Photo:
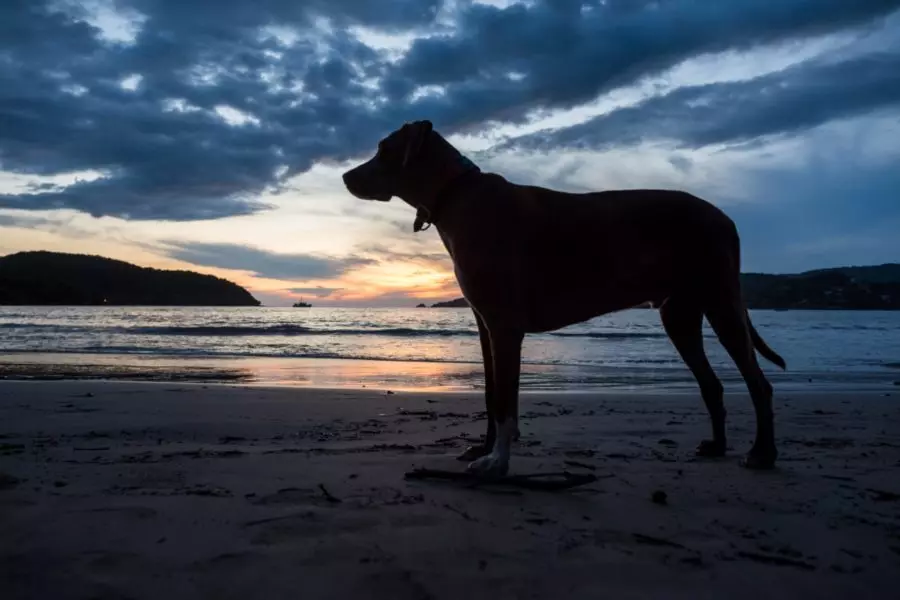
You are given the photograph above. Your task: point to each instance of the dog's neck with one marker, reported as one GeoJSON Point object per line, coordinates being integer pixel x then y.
{"type": "Point", "coordinates": [448, 169]}
{"type": "Point", "coordinates": [426, 216]}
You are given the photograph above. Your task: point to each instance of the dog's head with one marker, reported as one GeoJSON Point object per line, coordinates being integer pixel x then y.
{"type": "Point", "coordinates": [387, 174]}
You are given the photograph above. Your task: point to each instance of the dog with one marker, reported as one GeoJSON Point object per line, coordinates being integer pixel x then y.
{"type": "Point", "coordinates": [530, 259]}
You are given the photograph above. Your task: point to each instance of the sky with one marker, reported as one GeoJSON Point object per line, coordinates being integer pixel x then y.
{"type": "Point", "coordinates": [211, 136]}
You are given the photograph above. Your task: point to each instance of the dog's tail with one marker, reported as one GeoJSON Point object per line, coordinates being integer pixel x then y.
{"type": "Point", "coordinates": [763, 348]}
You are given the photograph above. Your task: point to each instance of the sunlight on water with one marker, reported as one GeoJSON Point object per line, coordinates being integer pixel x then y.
{"type": "Point", "coordinates": [433, 348]}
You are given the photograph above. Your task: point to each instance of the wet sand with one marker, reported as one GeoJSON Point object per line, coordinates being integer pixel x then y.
{"type": "Point", "coordinates": [138, 490]}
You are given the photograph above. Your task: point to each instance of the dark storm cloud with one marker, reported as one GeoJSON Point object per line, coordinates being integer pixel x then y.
{"type": "Point", "coordinates": [801, 97]}
{"type": "Point", "coordinates": [166, 154]}
{"type": "Point", "coordinates": [566, 53]}
{"type": "Point", "coordinates": [299, 267]}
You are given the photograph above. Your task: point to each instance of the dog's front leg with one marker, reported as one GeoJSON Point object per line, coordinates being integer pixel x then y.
{"type": "Point", "coordinates": [506, 352]}
{"type": "Point", "coordinates": [477, 451]}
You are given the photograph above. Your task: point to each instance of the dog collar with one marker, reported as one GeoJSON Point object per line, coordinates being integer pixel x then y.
{"type": "Point", "coordinates": [425, 217]}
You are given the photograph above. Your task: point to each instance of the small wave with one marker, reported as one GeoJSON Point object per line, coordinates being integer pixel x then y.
{"type": "Point", "coordinates": [219, 330]}
{"type": "Point", "coordinates": [611, 335]}
{"type": "Point", "coordinates": [281, 329]}
{"type": "Point", "coordinates": [200, 353]}
{"type": "Point", "coordinates": [294, 330]}
{"type": "Point", "coordinates": [403, 332]}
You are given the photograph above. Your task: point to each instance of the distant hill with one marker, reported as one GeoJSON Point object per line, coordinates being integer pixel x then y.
{"type": "Point", "coordinates": [455, 303]}
{"type": "Point", "coordinates": [886, 273]}
{"type": "Point", "coordinates": [849, 288]}
{"type": "Point", "coordinates": [52, 278]}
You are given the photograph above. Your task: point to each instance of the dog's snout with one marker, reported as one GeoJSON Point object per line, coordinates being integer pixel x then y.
{"type": "Point", "coordinates": [365, 182]}
{"type": "Point", "coordinates": [351, 181]}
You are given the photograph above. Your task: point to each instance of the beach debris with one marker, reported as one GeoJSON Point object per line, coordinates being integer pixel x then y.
{"type": "Point", "coordinates": [228, 439]}
{"type": "Point", "coordinates": [328, 495]}
{"type": "Point", "coordinates": [580, 465]}
{"type": "Point", "coordinates": [584, 453]}
{"type": "Point", "coordinates": [9, 449]}
{"type": "Point", "coordinates": [662, 457]}
{"type": "Point", "coordinates": [650, 540]}
{"type": "Point", "coordinates": [550, 482]}
{"type": "Point", "coordinates": [659, 497]}
{"type": "Point", "coordinates": [694, 561]}
{"type": "Point", "coordinates": [205, 490]}
{"type": "Point", "coordinates": [8, 481]}
{"type": "Point", "coordinates": [781, 561]}
{"type": "Point", "coordinates": [883, 495]}
{"type": "Point", "coordinates": [618, 455]}
{"type": "Point", "coordinates": [460, 512]}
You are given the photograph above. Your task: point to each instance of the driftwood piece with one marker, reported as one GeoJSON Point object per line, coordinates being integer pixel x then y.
{"type": "Point", "coordinates": [550, 482]}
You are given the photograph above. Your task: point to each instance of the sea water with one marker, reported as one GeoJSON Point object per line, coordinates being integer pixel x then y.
{"type": "Point", "coordinates": [429, 348]}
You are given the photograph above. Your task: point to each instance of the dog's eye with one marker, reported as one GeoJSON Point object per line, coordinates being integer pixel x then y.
{"type": "Point", "coordinates": [385, 153]}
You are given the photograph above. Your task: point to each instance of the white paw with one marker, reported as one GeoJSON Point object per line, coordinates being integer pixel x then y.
{"type": "Point", "coordinates": [492, 465]}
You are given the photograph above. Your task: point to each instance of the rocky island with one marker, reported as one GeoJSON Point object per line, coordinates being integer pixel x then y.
{"type": "Point", "coordinates": [60, 279]}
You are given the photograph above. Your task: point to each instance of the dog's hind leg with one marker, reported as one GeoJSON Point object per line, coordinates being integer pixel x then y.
{"type": "Point", "coordinates": [506, 352]}
{"type": "Point", "coordinates": [682, 318]}
{"type": "Point", "coordinates": [477, 451]}
{"type": "Point", "coordinates": [728, 318]}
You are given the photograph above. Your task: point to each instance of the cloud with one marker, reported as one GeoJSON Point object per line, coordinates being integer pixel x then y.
{"type": "Point", "coordinates": [503, 64]}
{"type": "Point", "coordinates": [797, 98]}
{"type": "Point", "coordinates": [297, 267]}
{"type": "Point", "coordinates": [191, 110]}
{"type": "Point", "coordinates": [20, 220]}
{"type": "Point", "coordinates": [318, 292]}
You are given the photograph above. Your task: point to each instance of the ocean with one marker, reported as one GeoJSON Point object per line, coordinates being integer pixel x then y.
{"type": "Point", "coordinates": [404, 349]}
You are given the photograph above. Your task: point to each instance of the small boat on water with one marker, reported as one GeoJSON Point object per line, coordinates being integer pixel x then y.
{"type": "Point", "coordinates": [302, 304]}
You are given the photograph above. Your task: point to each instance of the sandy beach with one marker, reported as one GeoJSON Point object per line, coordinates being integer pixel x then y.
{"type": "Point", "coordinates": [138, 490]}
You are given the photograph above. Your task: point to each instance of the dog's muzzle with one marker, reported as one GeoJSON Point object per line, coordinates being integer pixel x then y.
{"type": "Point", "coordinates": [366, 182]}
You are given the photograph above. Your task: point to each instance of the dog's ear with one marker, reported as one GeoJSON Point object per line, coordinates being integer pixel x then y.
{"type": "Point", "coordinates": [419, 131]}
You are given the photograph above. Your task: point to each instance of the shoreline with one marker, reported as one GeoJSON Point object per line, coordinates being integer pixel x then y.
{"type": "Point", "coordinates": [396, 375]}
{"type": "Point", "coordinates": [148, 490]}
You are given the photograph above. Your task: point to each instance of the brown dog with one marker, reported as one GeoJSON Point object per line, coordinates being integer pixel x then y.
{"type": "Point", "coordinates": [530, 259]}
